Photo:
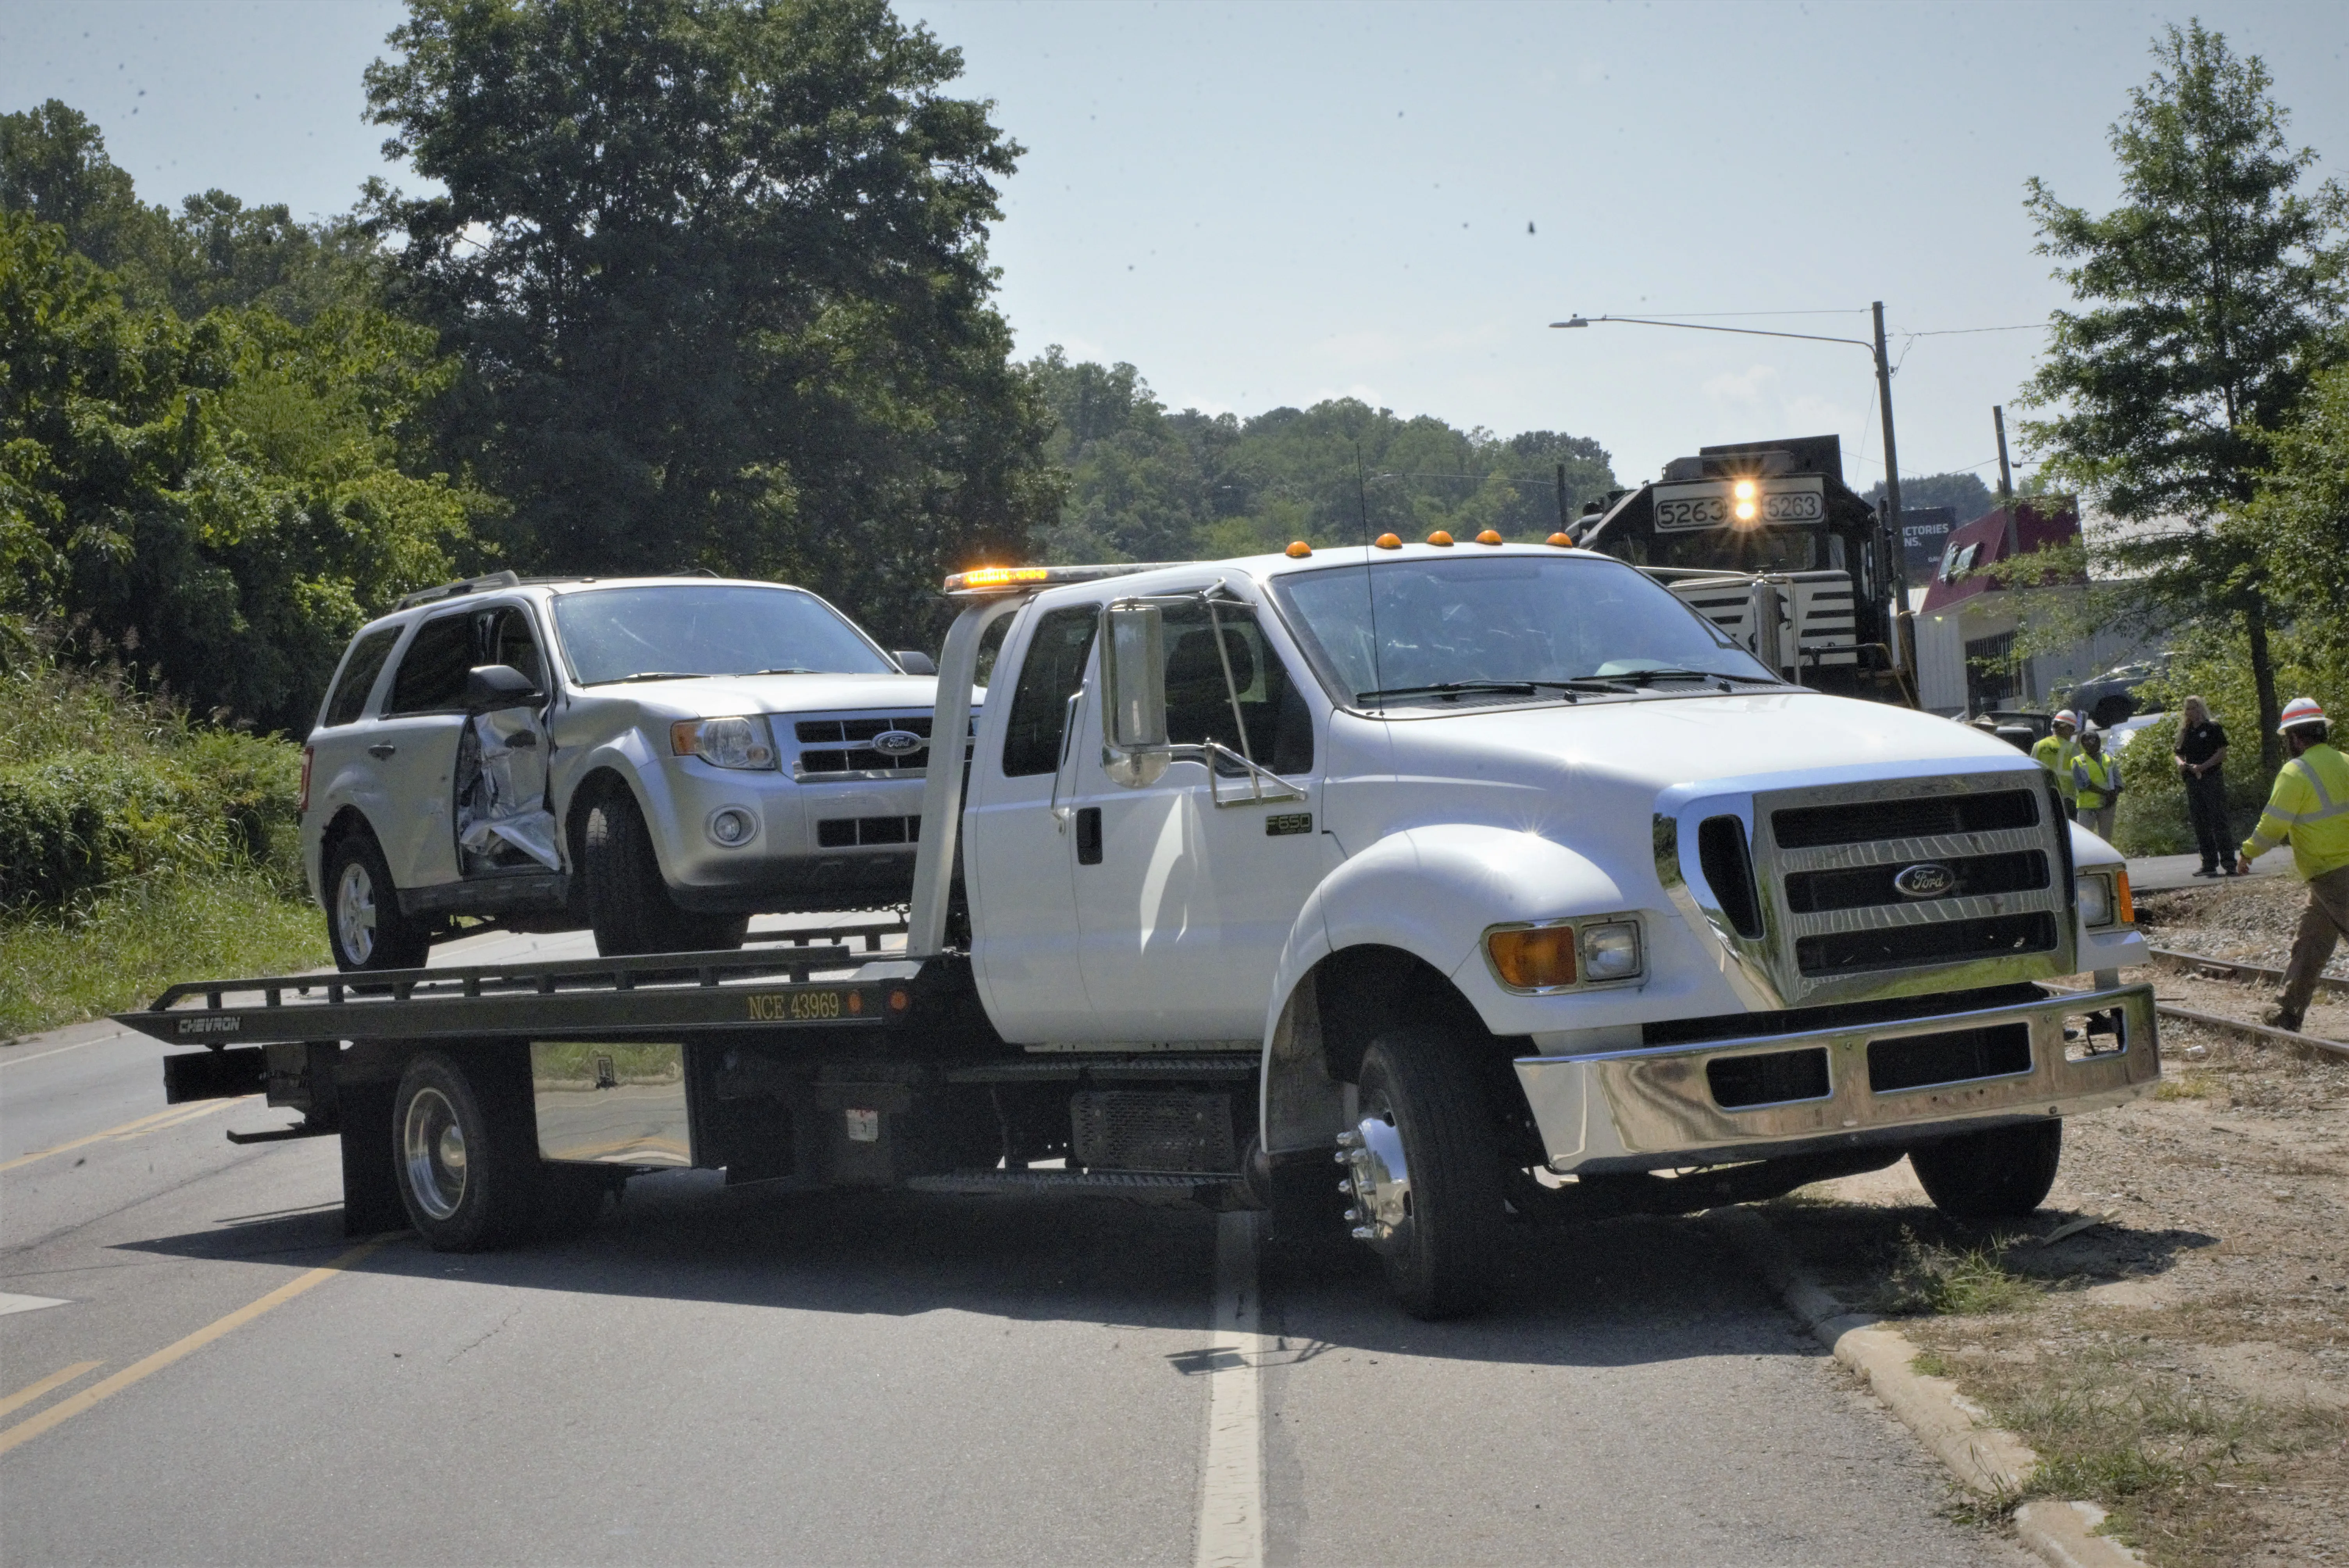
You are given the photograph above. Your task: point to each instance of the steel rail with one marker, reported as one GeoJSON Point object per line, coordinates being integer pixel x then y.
{"type": "Point", "coordinates": [2231, 967]}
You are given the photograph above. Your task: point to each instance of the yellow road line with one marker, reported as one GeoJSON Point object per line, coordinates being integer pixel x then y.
{"type": "Point", "coordinates": [66, 1409]}
{"type": "Point", "coordinates": [173, 1117]}
{"type": "Point", "coordinates": [58, 1380]}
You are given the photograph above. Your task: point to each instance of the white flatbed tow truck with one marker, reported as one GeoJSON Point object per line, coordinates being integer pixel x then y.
{"type": "Point", "coordinates": [1413, 891]}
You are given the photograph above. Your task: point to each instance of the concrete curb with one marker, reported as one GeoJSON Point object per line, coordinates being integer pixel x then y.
{"type": "Point", "coordinates": [1987, 1461]}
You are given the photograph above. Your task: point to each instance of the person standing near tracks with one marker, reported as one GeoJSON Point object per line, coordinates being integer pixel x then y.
{"type": "Point", "coordinates": [2096, 784]}
{"type": "Point", "coordinates": [2309, 806]}
{"type": "Point", "coordinates": [2055, 753]}
{"type": "Point", "coordinates": [2201, 752]}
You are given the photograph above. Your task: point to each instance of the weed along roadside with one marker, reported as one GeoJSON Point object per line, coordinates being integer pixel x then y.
{"type": "Point", "coordinates": [2170, 1334]}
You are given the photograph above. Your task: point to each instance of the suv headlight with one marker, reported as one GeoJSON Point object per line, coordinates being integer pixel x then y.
{"type": "Point", "coordinates": [724, 742]}
{"type": "Point", "coordinates": [2104, 899]}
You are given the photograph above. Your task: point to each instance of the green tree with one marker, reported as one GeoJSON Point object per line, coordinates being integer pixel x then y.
{"type": "Point", "coordinates": [2210, 293]}
{"type": "Point", "coordinates": [215, 252]}
{"type": "Point", "coordinates": [223, 502]}
{"type": "Point", "coordinates": [1148, 485]}
{"type": "Point", "coordinates": [718, 273]}
{"type": "Point", "coordinates": [2302, 509]}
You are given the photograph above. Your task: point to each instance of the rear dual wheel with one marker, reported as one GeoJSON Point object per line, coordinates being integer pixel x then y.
{"type": "Point", "coordinates": [465, 1144]}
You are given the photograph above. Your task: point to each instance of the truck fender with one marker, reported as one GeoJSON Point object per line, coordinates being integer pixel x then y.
{"type": "Point", "coordinates": [1430, 892]}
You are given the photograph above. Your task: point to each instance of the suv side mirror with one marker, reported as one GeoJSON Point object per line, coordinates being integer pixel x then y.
{"type": "Point", "coordinates": [1133, 693]}
{"type": "Point", "coordinates": [915, 663]}
{"type": "Point", "coordinates": [490, 688]}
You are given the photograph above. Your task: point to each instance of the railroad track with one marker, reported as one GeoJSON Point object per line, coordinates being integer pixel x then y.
{"type": "Point", "coordinates": [2233, 969]}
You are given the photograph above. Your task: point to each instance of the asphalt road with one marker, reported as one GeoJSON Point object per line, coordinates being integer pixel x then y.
{"type": "Point", "coordinates": [716, 1375]}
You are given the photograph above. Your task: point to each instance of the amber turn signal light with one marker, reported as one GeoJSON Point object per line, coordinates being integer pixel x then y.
{"type": "Point", "coordinates": [1389, 541]}
{"type": "Point", "coordinates": [1490, 536]}
{"type": "Point", "coordinates": [1532, 960]}
{"type": "Point", "coordinates": [1298, 550]}
{"type": "Point", "coordinates": [1439, 537]}
{"type": "Point", "coordinates": [2123, 900]}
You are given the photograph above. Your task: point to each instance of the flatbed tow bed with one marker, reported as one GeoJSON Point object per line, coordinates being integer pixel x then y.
{"type": "Point", "coordinates": [818, 1019]}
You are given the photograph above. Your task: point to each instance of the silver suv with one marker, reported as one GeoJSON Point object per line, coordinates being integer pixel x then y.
{"type": "Point", "coordinates": [657, 758]}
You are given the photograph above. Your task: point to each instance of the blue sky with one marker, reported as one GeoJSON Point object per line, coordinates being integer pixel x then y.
{"type": "Point", "coordinates": [1259, 204]}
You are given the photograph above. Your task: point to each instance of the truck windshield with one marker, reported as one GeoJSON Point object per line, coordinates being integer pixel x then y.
{"type": "Point", "coordinates": [1503, 621]}
{"type": "Point", "coordinates": [707, 629]}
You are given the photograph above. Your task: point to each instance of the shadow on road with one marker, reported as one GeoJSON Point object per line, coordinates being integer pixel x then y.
{"type": "Point", "coordinates": [1593, 1295]}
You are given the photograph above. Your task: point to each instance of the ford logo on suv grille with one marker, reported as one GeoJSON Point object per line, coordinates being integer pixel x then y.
{"type": "Point", "coordinates": [897, 743]}
{"type": "Point", "coordinates": [1929, 880]}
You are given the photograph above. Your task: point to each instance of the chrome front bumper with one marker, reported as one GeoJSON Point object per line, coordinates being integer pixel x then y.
{"type": "Point", "coordinates": [1655, 1108]}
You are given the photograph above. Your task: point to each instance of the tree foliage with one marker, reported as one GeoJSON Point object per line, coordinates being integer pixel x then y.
{"type": "Point", "coordinates": [1150, 485]}
{"type": "Point", "coordinates": [224, 501]}
{"type": "Point", "coordinates": [718, 275]}
{"type": "Point", "coordinates": [216, 251]}
{"type": "Point", "coordinates": [2210, 293]}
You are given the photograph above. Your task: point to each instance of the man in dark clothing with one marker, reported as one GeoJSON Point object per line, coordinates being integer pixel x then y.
{"type": "Point", "coordinates": [2201, 748]}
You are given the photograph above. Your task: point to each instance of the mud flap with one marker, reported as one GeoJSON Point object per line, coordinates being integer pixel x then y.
{"type": "Point", "coordinates": [370, 1173]}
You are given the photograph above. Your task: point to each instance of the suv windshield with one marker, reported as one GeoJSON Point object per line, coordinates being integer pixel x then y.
{"type": "Point", "coordinates": [1504, 621]}
{"type": "Point", "coordinates": [707, 629]}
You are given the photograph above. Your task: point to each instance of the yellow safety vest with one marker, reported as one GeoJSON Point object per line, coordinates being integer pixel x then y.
{"type": "Point", "coordinates": [2103, 773]}
{"type": "Point", "coordinates": [2309, 806]}
{"type": "Point", "coordinates": [2055, 753]}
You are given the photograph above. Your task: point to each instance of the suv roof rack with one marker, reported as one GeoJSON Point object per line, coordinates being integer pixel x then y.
{"type": "Point", "coordinates": [451, 589]}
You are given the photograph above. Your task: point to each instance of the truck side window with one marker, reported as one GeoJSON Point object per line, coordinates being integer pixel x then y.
{"type": "Point", "coordinates": [1054, 667]}
{"type": "Point", "coordinates": [431, 675]}
{"type": "Point", "coordinates": [1199, 706]}
{"type": "Point", "coordinates": [360, 671]}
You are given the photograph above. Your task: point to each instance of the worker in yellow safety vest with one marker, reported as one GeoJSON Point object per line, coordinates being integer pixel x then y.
{"type": "Point", "coordinates": [2095, 785]}
{"type": "Point", "coordinates": [2056, 753]}
{"type": "Point", "coordinates": [2309, 806]}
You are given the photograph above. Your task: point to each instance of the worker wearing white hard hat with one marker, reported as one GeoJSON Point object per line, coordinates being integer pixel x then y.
{"type": "Point", "coordinates": [2309, 806]}
{"type": "Point", "coordinates": [2056, 753]}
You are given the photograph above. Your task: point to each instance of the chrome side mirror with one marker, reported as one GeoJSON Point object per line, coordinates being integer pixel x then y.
{"type": "Point", "coordinates": [1133, 693]}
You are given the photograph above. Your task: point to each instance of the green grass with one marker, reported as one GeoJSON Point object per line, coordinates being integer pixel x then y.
{"type": "Point", "coordinates": [1929, 1278]}
{"type": "Point", "coordinates": [118, 949]}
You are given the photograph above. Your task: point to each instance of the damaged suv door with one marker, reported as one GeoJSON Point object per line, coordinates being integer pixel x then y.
{"type": "Point", "coordinates": [505, 821]}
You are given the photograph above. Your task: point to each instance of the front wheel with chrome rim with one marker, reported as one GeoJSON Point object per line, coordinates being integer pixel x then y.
{"type": "Point", "coordinates": [1423, 1172]}
{"type": "Point", "coordinates": [465, 1151]}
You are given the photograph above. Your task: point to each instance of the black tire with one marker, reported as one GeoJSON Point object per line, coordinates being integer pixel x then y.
{"type": "Point", "coordinates": [365, 927]}
{"type": "Point", "coordinates": [465, 1150]}
{"type": "Point", "coordinates": [628, 905]}
{"type": "Point", "coordinates": [2001, 1174]}
{"type": "Point", "coordinates": [1445, 1259]}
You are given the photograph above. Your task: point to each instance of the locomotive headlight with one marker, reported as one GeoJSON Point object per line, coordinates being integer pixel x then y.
{"type": "Point", "coordinates": [1746, 508]}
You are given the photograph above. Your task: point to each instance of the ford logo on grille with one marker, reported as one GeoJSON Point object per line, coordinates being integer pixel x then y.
{"type": "Point", "coordinates": [1929, 880]}
{"type": "Point", "coordinates": [897, 743]}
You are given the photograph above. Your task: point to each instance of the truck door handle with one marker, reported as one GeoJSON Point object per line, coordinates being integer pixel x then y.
{"type": "Point", "coordinates": [524, 741]}
{"type": "Point", "coordinates": [1089, 836]}
{"type": "Point", "coordinates": [381, 750]}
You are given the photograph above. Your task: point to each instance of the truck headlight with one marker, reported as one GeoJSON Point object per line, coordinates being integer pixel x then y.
{"type": "Point", "coordinates": [1610, 951]}
{"type": "Point", "coordinates": [1555, 954]}
{"type": "Point", "coordinates": [724, 742]}
{"type": "Point", "coordinates": [2104, 900]}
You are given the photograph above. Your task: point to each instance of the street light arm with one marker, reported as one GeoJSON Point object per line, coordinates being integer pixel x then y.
{"type": "Point", "coordinates": [1701, 326]}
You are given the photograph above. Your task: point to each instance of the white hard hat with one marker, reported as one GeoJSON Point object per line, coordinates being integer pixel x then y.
{"type": "Point", "coordinates": [2067, 717]}
{"type": "Point", "coordinates": [2301, 711]}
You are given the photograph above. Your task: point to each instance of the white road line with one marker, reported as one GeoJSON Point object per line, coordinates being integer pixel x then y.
{"type": "Point", "coordinates": [1231, 1474]}
{"type": "Point", "coordinates": [9, 1304]}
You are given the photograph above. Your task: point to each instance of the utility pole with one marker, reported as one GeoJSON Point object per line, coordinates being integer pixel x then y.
{"type": "Point", "coordinates": [1564, 522]}
{"type": "Point", "coordinates": [1893, 523]}
{"type": "Point", "coordinates": [2005, 481]}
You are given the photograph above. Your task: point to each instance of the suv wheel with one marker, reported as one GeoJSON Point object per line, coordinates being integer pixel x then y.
{"type": "Point", "coordinates": [364, 923]}
{"type": "Point", "coordinates": [628, 906]}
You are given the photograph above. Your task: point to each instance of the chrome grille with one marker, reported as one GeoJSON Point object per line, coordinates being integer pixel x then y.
{"type": "Point", "coordinates": [1886, 888]}
{"type": "Point", "coordinates": [838, 746]}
